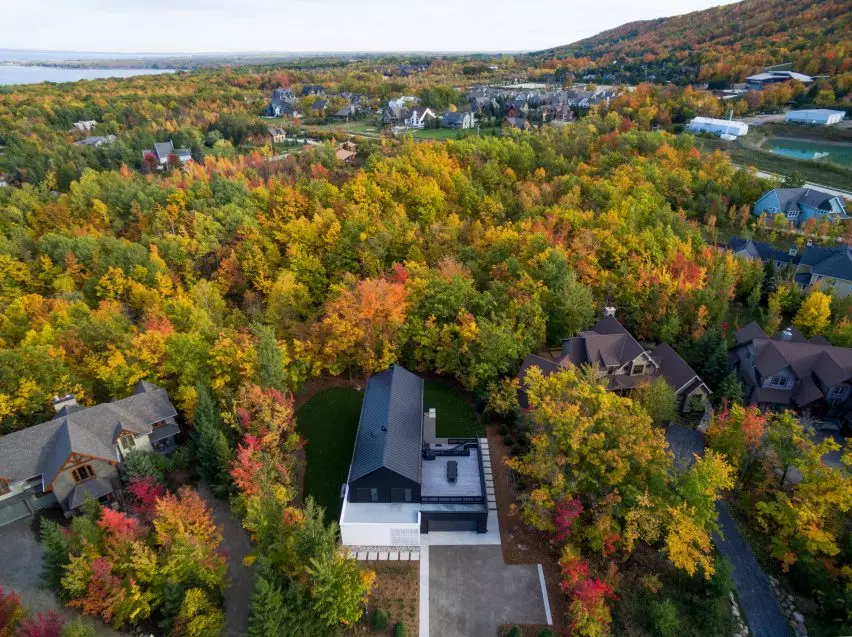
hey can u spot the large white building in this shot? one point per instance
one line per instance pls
(817, 116)
(721, 127)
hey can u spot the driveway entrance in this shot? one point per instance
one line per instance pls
(472, 592)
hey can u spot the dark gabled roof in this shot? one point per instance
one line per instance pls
(164, 149)
(390, 432)
(749, 332)
(546, 366)
(761, 250)
(793, 198)
(43, 449)
(607, 344)
(454, 118)
(838, 265)
(94, 488)
(673, 368)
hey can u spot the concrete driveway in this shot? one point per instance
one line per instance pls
(472, 592)
(20, 569)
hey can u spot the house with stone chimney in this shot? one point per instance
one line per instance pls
(76, 455)
(619, 360)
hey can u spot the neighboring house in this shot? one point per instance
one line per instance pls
(76, 455)
(815, 116)
(277, 135)
(84, 125)
(163, 150)
(789, 371)
(346, 152)
(283, 104)
(724, 128)
(619, 358)
(96, 141)
(312, 89)
(774, 77)
(458, 120)
(517, 122)
(318, 107)
(403, 480)
(800, 204)
(348, 112)
(419, 119)
(828, 269)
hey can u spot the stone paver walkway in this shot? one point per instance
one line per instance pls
(761, 609)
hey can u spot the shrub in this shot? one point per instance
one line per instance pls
(78, 629)
(139, 465)
(664, 617)
(722, 581)
(503, 429)
(507, 440)
(545, 632)
(514, 631)
(399, 630)
(380, 619)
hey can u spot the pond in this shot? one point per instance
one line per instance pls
(837, 153)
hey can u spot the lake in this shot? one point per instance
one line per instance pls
(14, 74)
(837, 153)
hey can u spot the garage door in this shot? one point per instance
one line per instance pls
(452, 525)
(13, 512)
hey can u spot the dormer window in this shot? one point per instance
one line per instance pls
(638, 369)
(125, 440)
(83, 473)
(612, 369)
(780, 382)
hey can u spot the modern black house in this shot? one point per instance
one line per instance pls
(403, 480)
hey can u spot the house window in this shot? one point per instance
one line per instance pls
(612, 369)
(126, 441)
(83, 473)
(374, 495)
(779, 381)
(408, 495)
(838, 392)
(638, 369)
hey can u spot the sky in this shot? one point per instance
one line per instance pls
(198, 26)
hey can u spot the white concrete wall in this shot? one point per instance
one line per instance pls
(388, 534)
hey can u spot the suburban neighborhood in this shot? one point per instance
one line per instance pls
(499, 321)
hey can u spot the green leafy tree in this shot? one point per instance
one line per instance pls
(658, 399)
(213, 452)
(270, 365)
(339, 588)
(55, 544)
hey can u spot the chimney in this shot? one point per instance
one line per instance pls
(430, 426)
(67, 400)
(609, 311)
(793, 251)
(787, 334)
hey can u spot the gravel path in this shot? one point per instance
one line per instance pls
(240, 577)
(760, 607)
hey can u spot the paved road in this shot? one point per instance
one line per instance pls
(20, 571)
(760, 607)
(240, 577)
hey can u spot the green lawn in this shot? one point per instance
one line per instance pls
(329, 422)
(448, 133)
(456, 417)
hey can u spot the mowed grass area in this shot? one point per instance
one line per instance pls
(456, 416)
(329, 422)
(449, 133)
(745, 153)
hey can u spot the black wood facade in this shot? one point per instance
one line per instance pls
(384, 485)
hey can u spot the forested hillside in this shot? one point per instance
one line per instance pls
(722, 44)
